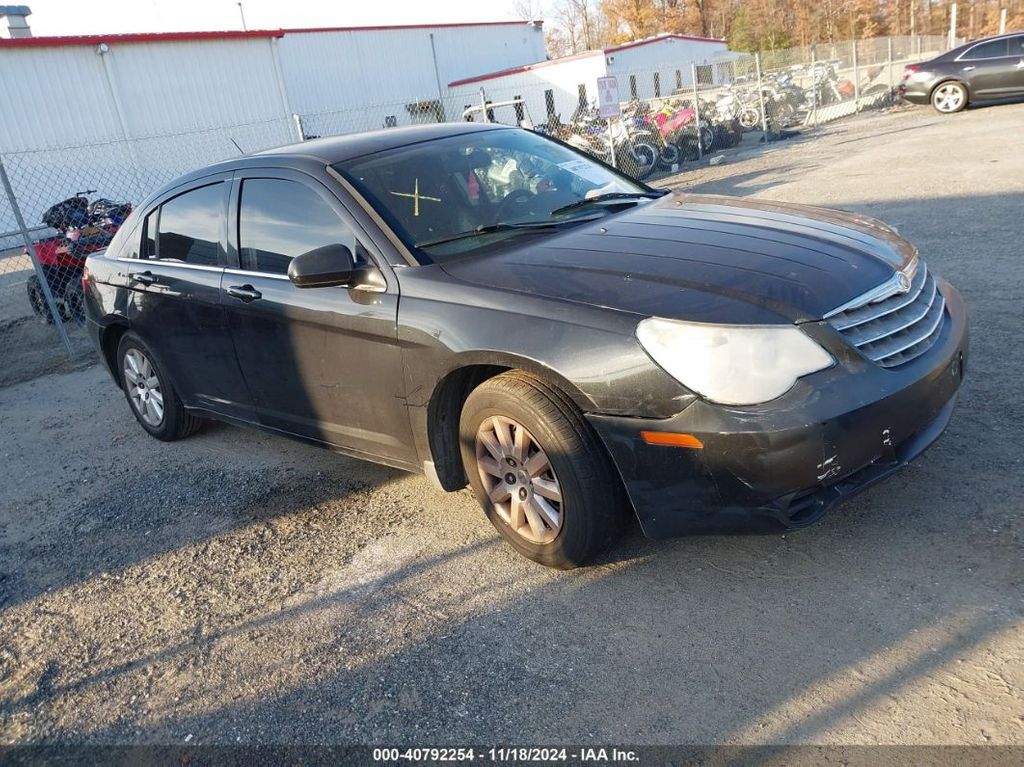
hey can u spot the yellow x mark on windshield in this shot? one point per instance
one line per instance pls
(416, 197)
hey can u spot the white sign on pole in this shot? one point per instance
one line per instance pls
(608, 96)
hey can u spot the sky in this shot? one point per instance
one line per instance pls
(85, 17)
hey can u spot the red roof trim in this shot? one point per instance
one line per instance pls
(660, 38)
(158, 37)
(139, 37)
(585, 54)
(523, 68)
(386, 27)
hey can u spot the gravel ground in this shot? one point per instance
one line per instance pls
(238, 587)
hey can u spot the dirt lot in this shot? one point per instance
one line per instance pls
(238, 587)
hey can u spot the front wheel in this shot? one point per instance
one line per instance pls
(539, 471)
(949, 98)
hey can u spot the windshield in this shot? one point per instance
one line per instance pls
(453, 195)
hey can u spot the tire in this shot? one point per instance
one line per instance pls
(668, 156)
(37, 299)
(72, 302)
(707, 138)
(640, 160)
(592, 503)
(172, 421)
(750, 118)
(949, 97)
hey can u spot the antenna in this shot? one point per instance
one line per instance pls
(241, 12)
(240, 150)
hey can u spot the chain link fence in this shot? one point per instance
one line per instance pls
(58, 204)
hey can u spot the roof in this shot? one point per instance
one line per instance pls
(585, 54)
(162, 37)
(340, 148)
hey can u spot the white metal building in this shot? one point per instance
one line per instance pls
(644, 69)
(123, 113)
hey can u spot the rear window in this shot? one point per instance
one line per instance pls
(188, 228)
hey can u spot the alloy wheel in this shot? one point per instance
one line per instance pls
(519, 479)
(144, 391)
(949, 97)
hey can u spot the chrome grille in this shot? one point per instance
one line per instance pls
(895, 330)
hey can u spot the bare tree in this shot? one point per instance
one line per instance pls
(580, 24)
(528, 10)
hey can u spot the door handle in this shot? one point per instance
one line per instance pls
(968, 69)
(244, 293)
(146, 277)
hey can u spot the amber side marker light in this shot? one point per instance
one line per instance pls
(671, 439)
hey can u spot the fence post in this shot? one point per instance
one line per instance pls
(31, 251)
(760, 96)
(696, 108)
(611, 143)
(483, 105)
(856, 78)
(889, 66)
(814, 81)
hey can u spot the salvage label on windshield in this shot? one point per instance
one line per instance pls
(585, 170)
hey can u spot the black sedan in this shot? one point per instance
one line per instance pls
(487, 305)
(982, 70)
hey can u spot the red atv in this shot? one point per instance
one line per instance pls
(83, 228)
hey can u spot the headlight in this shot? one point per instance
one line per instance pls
(732, 364)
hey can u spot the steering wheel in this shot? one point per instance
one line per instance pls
(515, 202)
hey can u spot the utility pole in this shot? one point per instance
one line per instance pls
(1002, 21)
(951, 42)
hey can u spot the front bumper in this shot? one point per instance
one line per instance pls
(783, 465)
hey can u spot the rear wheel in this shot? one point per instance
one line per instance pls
(640, 159)
(949, 97)
(539, 472)
(71, 304)
(37, 299)
(152, 398)
(668, 156)
(750, 117)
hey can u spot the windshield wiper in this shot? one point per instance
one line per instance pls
(607, 196)
(501, 226)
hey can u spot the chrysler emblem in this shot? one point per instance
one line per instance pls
(903, 281)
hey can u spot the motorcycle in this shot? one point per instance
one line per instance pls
(617, 142)
(83, 228)
(644, 122)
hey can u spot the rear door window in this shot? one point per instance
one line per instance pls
(993, 49)
(188, 227)
(280, 219)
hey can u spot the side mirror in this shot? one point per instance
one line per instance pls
(322, 268)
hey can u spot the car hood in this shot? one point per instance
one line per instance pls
(702, 258)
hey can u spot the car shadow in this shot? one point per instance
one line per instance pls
(145, 511)
(978, 105)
